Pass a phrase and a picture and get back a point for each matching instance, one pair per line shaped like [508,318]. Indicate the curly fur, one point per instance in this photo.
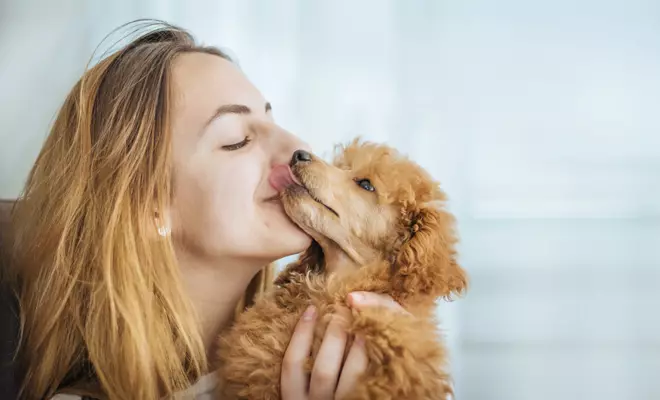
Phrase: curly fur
[409,254]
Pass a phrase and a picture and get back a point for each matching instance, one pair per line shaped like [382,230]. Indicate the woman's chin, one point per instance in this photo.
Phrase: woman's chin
[294,242]
[287,238]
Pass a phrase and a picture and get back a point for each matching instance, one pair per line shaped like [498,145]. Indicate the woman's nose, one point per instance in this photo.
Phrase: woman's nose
[284,144]
[300,156]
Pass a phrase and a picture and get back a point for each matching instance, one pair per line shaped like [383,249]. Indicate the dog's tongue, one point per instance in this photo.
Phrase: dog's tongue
[281,177]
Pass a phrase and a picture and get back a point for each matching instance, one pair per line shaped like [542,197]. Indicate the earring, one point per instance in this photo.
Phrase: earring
[164,229]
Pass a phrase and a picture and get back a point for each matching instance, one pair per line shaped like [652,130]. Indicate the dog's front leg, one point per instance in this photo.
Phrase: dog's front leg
[406,357]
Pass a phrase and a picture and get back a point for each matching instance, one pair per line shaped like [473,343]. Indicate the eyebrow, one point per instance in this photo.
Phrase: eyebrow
[234,109]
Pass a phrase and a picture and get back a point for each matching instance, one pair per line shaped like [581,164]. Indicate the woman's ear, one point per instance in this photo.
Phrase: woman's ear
[311,260]
[426,262]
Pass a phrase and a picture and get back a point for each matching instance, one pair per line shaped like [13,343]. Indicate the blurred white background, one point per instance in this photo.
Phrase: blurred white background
[541,118]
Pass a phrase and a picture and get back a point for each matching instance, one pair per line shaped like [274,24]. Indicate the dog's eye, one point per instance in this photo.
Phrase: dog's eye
[365,184]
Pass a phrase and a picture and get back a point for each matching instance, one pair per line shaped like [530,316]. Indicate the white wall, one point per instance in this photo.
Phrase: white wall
[541,118]
[40,59]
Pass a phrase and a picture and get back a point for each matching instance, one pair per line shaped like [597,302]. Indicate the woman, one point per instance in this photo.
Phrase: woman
[147,217]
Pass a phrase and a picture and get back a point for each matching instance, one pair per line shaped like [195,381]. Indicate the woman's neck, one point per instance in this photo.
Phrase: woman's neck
[215,289]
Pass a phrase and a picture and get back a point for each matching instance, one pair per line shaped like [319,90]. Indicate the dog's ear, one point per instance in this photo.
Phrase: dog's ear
[425,265]
[311,260]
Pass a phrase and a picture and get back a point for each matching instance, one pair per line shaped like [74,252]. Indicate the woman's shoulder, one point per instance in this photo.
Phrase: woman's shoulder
[203,389]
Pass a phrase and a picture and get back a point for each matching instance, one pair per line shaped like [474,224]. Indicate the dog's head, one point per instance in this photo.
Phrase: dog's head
[374,205]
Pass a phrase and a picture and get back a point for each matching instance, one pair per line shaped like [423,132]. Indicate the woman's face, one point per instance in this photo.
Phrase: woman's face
[225,144]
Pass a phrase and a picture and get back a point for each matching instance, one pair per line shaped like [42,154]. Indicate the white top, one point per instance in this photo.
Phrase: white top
[203,389]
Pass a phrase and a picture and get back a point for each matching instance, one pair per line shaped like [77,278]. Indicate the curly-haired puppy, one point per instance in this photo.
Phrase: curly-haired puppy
[378,225]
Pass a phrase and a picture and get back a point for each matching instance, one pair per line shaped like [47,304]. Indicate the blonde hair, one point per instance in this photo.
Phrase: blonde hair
[101,299]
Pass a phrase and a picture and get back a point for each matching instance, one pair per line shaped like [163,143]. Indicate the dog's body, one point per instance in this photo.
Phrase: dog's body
[388,237]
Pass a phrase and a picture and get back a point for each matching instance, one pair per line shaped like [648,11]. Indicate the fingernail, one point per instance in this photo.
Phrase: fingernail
[309,313]
[357,297]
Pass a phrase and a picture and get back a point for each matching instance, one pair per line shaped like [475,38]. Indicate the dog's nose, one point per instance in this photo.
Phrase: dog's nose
[300,156]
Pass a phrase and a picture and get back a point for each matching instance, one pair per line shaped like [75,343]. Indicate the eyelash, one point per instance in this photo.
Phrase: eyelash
[237,146]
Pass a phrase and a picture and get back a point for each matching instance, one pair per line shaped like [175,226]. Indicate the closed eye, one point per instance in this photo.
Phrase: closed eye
[236,146]
[365,184]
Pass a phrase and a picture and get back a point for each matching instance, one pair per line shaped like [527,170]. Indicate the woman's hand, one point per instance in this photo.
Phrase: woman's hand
[330,379]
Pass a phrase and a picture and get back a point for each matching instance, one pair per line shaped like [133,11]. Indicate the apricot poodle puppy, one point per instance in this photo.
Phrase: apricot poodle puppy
[378,224]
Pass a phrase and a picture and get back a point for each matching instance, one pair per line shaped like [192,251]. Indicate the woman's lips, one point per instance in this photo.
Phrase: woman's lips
[281,177]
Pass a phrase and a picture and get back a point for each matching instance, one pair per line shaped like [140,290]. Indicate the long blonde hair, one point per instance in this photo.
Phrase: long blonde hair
[101,299]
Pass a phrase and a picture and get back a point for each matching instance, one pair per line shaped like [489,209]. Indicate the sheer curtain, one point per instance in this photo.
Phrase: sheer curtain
[541,119]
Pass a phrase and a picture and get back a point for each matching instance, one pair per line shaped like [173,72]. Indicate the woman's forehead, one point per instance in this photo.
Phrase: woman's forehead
[201,83]
[200,76]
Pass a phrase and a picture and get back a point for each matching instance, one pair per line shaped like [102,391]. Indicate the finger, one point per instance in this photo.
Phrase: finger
[294,378]
[328,362]
[354,366]
[369,299]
